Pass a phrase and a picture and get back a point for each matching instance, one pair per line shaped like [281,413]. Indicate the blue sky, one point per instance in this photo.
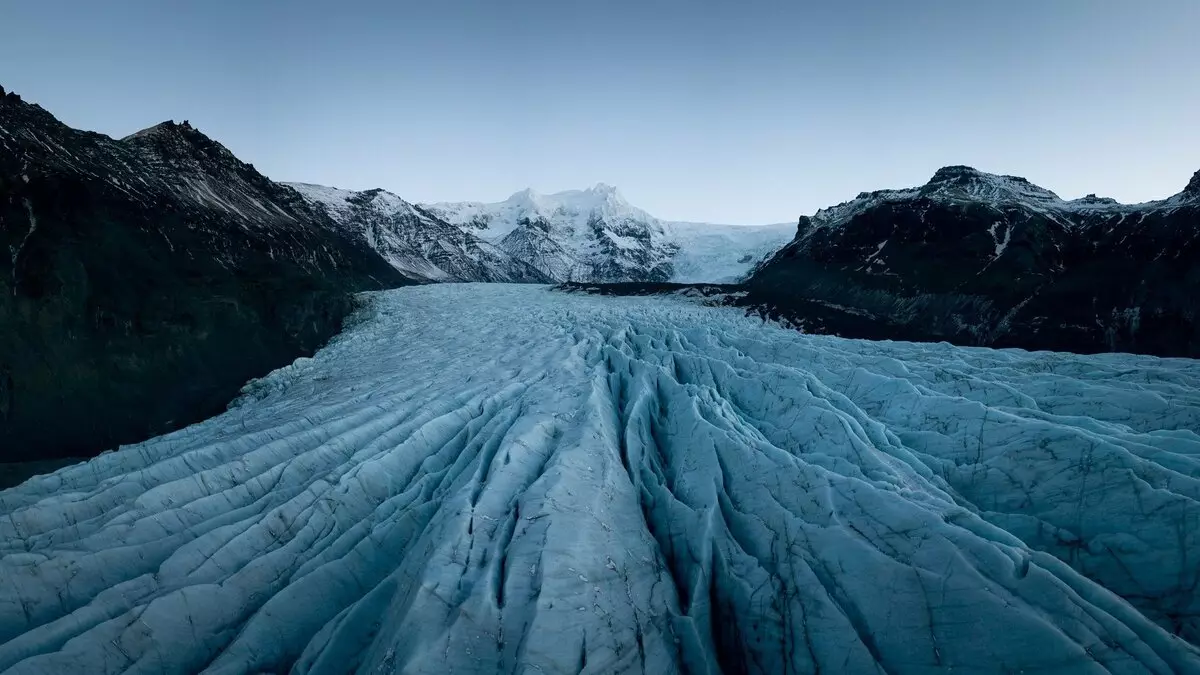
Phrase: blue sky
[740,112]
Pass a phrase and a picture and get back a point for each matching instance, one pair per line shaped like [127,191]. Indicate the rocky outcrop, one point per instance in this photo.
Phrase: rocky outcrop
[144,280]
[980,259]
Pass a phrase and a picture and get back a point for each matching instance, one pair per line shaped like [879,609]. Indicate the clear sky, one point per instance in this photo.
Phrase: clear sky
[738,112]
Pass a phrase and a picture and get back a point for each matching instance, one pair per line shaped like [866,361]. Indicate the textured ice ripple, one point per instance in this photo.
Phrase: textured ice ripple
[481,479]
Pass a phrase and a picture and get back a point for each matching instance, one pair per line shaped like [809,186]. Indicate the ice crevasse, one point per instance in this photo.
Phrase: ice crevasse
[510,479]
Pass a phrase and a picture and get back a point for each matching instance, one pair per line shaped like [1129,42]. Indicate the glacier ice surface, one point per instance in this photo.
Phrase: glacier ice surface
[489,478]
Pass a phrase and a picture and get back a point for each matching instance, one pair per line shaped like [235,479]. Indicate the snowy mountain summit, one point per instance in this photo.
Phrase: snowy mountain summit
[578,235]
[595,235]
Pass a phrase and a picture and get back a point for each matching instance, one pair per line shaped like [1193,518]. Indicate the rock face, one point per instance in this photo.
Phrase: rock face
[416,242]
[144,280]
[980,259]
[596,236]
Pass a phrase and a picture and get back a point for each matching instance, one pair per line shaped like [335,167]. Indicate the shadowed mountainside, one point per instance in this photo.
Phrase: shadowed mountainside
[146,279]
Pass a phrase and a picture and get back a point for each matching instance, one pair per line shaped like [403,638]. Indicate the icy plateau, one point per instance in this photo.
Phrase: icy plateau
[510,479]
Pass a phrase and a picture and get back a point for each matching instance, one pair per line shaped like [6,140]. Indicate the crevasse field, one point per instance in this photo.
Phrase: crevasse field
[508,479]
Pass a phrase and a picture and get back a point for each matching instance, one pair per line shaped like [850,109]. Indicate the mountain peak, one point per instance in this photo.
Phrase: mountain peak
[1193,186]
[10,96]
[955,172]
[965,180]
[1093,200]
[182,140]
[600,195]
[162,129]
[961,173]
[603,189]
[12,103]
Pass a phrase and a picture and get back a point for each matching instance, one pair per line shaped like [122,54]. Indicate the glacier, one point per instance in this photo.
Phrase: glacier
[497,478]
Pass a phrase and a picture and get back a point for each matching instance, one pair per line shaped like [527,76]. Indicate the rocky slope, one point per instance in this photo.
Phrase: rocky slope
[416,242]
[146,279]
[595,235]
[980,259]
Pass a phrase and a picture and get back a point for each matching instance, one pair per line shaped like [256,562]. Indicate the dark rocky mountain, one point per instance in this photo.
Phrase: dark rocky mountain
[415,241]
[146,279]
[980,259]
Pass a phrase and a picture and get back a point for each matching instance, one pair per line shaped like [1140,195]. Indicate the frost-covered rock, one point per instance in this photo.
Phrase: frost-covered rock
[486,478]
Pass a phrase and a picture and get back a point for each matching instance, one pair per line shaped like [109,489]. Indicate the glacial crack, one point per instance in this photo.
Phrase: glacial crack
[490,478]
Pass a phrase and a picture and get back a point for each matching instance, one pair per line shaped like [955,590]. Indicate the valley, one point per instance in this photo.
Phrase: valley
[249,426]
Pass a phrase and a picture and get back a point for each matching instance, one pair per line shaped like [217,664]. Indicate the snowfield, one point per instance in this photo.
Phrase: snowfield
[489,478]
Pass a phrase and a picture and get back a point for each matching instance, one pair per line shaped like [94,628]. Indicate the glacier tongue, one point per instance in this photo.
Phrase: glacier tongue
[487,478]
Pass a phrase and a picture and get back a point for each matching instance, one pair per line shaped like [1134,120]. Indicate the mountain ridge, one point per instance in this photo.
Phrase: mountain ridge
[414,241]
[595,235]
[993,260]
[148,278]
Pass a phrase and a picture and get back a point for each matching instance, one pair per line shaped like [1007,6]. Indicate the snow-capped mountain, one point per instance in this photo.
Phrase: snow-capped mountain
[488,478]
[987,259]
[578,235]
[595,235]
[419,244]
[146,278]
